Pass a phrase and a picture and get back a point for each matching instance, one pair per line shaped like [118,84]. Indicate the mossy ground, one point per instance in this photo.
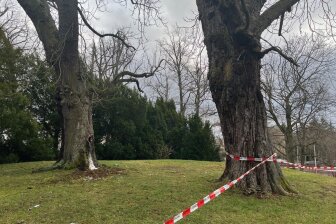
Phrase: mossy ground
[151,192]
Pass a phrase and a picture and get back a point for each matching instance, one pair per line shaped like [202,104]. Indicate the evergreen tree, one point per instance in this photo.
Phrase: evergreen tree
[128,126]
[199,142]
[20,133]
[121,126]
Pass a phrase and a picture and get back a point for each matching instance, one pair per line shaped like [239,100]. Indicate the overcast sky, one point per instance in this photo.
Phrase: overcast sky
[116,16]
[174,12]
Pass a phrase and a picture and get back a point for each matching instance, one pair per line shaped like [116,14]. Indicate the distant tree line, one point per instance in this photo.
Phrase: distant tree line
[126,124]
[296,96]
[319,134]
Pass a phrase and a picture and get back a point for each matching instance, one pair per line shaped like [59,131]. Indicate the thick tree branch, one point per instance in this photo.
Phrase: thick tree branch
[39,13]
[276,49]
[133,76]
[274,117]
[103,35]
[131,80]
[247,14]
[281,24]
[271,14]
[278,150]
[281,21]
[118,77]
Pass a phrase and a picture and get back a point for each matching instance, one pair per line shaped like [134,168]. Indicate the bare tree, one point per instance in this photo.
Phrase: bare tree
[185,55]
[111,63]
[60,38]
[160,86]
[177,49]
[296,94]
[109,57]
[14,26]
[199,87]
[232,31]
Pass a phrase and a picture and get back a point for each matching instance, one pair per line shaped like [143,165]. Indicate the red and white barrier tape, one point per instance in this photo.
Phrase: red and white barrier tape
[214,194]
[281,161]
[317,168]
[250,158]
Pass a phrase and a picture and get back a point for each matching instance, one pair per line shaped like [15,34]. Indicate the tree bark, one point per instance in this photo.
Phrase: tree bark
[198,96]
[289,146]
[61,47]
[234,78]
[289,138]
[181,92]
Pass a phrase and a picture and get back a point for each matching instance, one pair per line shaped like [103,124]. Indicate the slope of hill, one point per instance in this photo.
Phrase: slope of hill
[151,192]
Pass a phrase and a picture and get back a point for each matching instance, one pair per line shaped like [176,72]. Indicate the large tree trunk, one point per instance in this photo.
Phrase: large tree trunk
[234,77]
[75,102]
[61,47]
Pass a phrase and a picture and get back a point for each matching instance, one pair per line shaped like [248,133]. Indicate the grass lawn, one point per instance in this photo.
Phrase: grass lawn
[152,192]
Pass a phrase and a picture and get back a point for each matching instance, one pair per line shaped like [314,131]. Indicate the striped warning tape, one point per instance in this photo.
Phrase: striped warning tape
[317,168]
[250,158]
[214,194]
[282,162]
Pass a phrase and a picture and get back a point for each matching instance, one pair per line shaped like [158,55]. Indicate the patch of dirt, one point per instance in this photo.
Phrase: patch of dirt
[88,175]
[100,173]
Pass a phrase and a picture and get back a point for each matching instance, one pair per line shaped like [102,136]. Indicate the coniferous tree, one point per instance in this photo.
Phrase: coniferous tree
[20,132]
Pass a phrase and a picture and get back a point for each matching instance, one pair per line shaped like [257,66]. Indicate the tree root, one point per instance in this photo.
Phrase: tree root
[276,183]
[287,186]
[280,184]
[56,166]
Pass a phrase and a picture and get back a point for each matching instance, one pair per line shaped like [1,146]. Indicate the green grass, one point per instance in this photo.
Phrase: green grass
[153,191]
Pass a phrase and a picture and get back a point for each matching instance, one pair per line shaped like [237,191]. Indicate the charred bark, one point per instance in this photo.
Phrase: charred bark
[234,78]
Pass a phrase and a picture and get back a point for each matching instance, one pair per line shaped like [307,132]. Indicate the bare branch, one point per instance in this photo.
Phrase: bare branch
[103,35]
[281,24]
[118,77]
[278,50]
[131,80]
[4,12]
[295,94]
